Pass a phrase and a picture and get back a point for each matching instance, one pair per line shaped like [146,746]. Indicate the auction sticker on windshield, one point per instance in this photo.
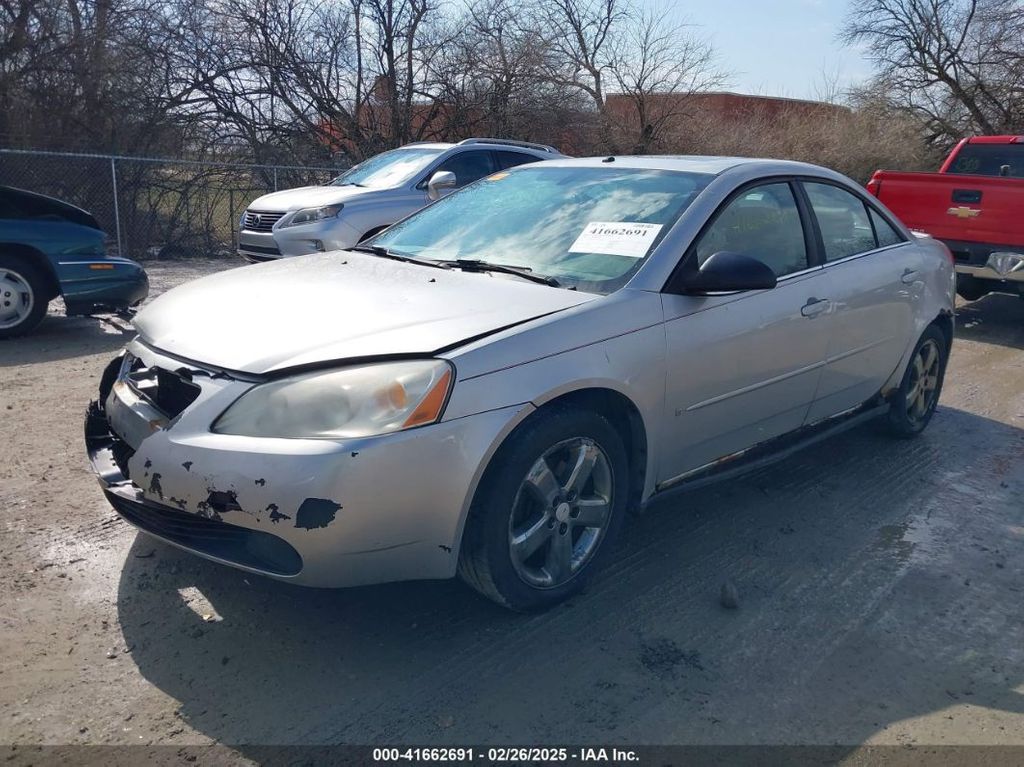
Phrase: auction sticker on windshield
[616,238]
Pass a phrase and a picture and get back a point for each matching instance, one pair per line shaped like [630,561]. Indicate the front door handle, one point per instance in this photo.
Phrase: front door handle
[909,276]
[814,307]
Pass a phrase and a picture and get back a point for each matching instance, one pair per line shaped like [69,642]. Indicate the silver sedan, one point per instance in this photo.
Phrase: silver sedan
[491,386]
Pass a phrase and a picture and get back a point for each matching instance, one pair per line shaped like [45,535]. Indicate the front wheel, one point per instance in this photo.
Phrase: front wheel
[22,297]
[548,510]
[914,403]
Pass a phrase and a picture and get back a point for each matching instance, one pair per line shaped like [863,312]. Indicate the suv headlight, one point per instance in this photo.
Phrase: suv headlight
[338,404]
[309,215]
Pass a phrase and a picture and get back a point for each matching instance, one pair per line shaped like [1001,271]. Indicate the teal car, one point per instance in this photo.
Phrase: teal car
[49,248]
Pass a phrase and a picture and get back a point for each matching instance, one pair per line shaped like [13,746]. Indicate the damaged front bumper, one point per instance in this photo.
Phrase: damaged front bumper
[315,512]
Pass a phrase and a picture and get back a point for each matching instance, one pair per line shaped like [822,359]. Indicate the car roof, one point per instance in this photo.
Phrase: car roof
[691,163]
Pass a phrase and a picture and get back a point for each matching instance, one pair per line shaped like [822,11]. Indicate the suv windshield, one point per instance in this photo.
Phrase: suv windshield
[589,228]
[388,169]
[989,159]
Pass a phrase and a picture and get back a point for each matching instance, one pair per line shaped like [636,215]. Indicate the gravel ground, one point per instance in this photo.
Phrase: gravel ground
[879,587]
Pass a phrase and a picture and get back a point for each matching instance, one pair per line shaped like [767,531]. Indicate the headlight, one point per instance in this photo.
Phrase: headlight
[309,215]
[339,404]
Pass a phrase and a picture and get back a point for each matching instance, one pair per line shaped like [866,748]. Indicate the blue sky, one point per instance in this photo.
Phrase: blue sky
[774,47]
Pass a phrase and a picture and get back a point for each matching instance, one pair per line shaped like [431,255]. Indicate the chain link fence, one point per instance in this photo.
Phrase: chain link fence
[156,207]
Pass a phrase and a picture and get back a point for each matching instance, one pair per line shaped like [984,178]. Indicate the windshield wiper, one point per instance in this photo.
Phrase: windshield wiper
[478,265]
[380,250]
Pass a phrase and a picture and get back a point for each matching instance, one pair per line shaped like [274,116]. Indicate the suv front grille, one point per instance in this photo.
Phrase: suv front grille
[259,221]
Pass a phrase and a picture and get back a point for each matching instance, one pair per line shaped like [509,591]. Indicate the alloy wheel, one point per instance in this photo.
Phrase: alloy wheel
[924,381]
[560,513]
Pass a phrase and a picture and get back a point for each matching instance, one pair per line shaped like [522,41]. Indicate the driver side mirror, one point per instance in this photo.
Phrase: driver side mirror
[725,272]
[440,184]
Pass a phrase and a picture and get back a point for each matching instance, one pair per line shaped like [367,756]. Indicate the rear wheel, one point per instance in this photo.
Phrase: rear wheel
[23,297]
[914,403]
[548,510]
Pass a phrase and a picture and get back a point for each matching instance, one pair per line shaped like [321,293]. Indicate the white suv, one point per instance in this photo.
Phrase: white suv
[371,196]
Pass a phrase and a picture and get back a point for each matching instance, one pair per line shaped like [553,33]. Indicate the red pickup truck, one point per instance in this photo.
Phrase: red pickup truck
[974,204]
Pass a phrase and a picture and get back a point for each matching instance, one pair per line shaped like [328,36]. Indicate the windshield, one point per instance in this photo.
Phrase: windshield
[989,160]
[589,228]
[389,169]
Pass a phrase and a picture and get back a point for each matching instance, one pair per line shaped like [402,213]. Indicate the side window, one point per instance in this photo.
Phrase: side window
[884,232]
[512,159]
[468,167]
[763,223]
[842,219]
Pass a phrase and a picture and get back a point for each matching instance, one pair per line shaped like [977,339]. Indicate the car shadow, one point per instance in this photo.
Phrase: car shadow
[997,318]
[60,338]
[878,581]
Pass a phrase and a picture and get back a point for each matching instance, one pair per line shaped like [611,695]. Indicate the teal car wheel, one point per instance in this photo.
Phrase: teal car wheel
[22,297]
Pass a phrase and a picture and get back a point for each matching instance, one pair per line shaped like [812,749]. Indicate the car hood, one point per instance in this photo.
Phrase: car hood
[307,197]
[337,306]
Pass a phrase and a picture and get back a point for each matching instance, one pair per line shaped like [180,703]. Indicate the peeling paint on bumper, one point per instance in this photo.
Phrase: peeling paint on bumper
[356,512]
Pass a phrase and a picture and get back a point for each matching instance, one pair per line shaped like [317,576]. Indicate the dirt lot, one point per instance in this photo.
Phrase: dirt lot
[881,599]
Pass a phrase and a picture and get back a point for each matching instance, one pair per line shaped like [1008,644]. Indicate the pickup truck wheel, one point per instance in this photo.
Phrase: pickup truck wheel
[548,511]
[970,293]
[914,403]
[22,297]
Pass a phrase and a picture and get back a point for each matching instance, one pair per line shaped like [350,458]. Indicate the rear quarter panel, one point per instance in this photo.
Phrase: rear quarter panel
[938,299]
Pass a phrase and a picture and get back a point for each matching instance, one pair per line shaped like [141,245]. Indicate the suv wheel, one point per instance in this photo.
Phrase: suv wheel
[22,297]
[548,511]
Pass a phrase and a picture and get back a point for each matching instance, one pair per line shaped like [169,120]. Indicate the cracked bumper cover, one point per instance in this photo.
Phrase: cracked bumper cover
[314,512]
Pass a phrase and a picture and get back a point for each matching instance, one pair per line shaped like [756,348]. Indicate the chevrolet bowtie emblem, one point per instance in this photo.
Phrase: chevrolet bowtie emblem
[964,212]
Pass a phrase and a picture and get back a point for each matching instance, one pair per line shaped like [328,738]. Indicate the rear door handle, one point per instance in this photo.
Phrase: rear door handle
[909,276]
[814,307]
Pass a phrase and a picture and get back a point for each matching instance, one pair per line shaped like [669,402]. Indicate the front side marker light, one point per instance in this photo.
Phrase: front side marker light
[429,410]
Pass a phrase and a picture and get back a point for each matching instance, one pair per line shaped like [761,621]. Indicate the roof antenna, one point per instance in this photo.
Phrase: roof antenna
[608,159]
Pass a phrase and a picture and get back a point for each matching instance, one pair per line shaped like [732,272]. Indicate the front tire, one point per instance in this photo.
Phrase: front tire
[23,298]
[548,511]
[914,403]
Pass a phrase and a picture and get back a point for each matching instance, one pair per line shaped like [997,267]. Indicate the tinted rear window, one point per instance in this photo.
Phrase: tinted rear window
[988,160]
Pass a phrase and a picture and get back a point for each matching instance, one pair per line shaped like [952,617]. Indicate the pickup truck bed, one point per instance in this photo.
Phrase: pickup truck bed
[979,215]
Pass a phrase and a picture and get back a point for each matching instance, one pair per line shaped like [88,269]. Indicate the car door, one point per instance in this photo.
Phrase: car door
[742,368]
[874,280]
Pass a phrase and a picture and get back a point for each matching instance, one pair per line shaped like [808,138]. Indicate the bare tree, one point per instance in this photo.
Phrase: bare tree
[619,54]
[956,65]
[583,47]
[657,65]
[492,74]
